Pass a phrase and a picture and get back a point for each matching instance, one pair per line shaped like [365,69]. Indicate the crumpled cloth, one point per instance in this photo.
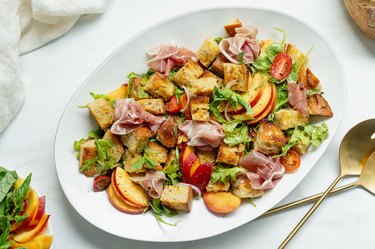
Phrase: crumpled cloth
[24,26]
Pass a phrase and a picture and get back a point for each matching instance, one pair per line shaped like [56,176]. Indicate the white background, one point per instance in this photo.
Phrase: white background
[54,72]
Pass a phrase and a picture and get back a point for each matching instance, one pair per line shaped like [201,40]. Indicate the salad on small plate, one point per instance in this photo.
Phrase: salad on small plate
[23,220]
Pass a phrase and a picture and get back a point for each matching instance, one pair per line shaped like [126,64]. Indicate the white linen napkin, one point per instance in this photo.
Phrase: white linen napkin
[24,26]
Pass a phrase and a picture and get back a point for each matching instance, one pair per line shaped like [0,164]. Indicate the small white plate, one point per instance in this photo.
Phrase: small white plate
[187,30]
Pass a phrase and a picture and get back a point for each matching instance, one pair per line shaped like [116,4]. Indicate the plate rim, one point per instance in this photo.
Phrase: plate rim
[164,21]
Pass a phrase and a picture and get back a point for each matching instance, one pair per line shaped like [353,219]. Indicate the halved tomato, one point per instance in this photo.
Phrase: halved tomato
[281,66]
[173,105]
[291,161]
[101,183]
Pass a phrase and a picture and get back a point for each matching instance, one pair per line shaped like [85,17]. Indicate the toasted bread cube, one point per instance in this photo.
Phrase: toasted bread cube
[119,93]
[154,106]
[307,77]
[243,189]
[159,86]
[88,151]
[228,154]
[217,186]
[206,156]
[199,106]
[288,118]
[136,141]
[230,28]
[179,198]
[189,72]
[218,66]
[103,112]
[319,106]
[168,132]
[182,138]
[269,139]
[238,74]
[130,159]
[156,152]
[208,52]
[296,54]
[203,86]
[209,74]
[117,149]
[136,89]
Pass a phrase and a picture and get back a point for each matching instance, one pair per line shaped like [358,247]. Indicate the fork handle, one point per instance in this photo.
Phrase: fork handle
[309,213]
[303,201]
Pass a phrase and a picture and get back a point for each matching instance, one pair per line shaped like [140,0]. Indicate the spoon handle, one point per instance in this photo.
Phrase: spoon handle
[305,200]
[309,213]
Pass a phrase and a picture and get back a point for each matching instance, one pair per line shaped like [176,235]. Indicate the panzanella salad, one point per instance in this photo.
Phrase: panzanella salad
[225,122]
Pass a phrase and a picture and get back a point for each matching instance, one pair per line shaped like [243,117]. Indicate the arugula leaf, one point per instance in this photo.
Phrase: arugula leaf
[98,96]
[178,92]
[4,243]
[223,174]
[262,63]
[241,57]
[293,75]
[105,161]
[282,96]
[172,73]
[172,170]
[249,200]
[226,94]
[158,210]
[96,134]
[236,132]
[273,50]
[142,94]
[87,165]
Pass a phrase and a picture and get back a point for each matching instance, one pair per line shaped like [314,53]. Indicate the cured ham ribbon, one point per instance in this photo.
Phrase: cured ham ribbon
[263,172]
[129,116]
[165,57]
[202,134]
[242,48]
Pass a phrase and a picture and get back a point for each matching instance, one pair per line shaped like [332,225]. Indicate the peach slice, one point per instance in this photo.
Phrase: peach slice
[26,235]
[221,202]
[39,242]
[31,211]
[266,111]
[119,203]
[39,214]
[117,192]
[128,189]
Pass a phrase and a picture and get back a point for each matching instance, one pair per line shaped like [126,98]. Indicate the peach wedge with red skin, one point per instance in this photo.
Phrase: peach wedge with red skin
[119,203]
[39,242]
[39,214]
[128,189]
[27,235]
[221,202]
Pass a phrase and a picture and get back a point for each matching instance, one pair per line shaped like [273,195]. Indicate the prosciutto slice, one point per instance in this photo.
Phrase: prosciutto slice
[129,116]
[243,42]
[297,97]
[203,134]
[152,182]
[165,57]
[262,171]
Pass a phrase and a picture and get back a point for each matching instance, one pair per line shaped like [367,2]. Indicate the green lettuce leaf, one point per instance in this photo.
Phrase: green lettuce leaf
[223,174]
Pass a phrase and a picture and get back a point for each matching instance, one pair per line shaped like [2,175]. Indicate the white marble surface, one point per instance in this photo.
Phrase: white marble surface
[54,72]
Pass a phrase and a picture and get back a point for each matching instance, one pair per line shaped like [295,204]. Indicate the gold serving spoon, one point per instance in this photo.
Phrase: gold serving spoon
[356,144]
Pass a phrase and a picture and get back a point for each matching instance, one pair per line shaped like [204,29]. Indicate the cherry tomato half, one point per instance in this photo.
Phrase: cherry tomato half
[291,161]
[101,183]
[281,66]
[173,105]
